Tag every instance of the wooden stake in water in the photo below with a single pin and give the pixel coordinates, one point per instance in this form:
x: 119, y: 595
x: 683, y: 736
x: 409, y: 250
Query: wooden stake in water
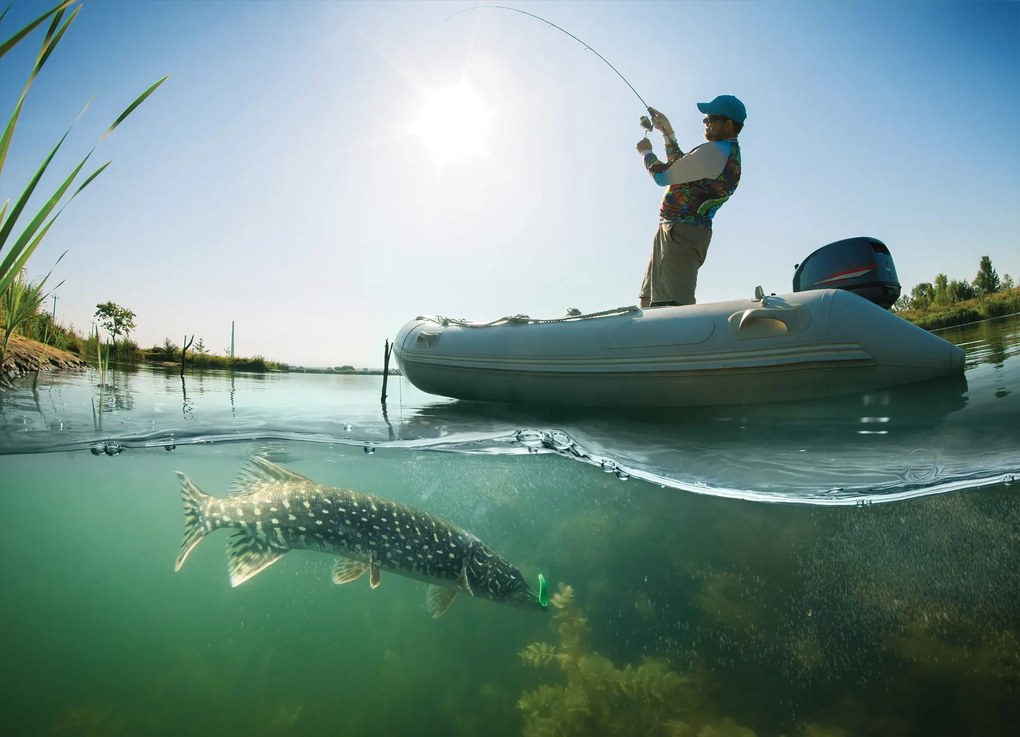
x: 386, y: 370
x: 184, y: 351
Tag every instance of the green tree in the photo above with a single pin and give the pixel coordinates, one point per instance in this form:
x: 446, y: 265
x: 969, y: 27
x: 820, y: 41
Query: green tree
x: 1007, y: 283
x: 116, y: 320
x: 987, y: 280
x: 169, y: 349
x: 922, y: 296
x: 960, y: 290
x: 941, y: 294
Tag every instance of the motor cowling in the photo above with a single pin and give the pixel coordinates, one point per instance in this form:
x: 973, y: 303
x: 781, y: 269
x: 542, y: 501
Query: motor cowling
x: 861, y: 265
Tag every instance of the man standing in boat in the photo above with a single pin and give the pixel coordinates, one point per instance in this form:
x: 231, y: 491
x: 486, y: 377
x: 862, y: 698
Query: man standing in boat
x: 697, y: 183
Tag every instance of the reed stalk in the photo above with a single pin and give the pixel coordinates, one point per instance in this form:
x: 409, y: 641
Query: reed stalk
x: 19, y: 248
x: 103, y: 366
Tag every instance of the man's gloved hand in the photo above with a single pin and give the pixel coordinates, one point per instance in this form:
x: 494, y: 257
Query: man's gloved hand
x: 644, y: 146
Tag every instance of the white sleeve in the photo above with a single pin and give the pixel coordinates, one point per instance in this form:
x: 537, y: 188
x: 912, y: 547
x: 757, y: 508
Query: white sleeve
x: 704, y: 162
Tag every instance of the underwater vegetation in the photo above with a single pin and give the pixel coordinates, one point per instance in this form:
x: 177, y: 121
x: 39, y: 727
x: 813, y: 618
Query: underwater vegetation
x: 595, y: 697
x: 89, y: 721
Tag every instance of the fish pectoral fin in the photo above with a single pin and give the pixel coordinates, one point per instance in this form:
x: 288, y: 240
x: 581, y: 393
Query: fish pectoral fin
x: 438, y: 599
x: 376, y: 575
x: 248, y: 555
x: 462, y: 581
x: 346, y: 570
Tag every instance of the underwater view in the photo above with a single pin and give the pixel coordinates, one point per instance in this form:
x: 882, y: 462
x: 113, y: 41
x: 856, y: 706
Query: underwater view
x: 842, y: 568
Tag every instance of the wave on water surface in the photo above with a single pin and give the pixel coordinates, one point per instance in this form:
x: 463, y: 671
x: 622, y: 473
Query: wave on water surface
x: 891, y: 445
x: 857, y: 480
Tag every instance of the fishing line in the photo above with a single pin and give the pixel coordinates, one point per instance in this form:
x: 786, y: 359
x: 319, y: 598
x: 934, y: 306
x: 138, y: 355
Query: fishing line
x: 563, y: 30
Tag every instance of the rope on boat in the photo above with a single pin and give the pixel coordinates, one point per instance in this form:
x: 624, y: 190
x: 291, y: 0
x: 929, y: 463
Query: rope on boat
x: 524, y: 319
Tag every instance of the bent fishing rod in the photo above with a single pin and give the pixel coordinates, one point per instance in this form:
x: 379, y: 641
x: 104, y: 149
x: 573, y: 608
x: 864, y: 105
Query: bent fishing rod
x: 646, y: 123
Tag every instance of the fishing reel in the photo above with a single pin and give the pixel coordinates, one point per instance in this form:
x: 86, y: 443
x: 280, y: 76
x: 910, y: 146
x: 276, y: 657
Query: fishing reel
x: 646, y: 123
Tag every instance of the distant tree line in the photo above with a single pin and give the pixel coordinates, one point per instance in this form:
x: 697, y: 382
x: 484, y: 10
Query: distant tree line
x: 119, y: 321
x: 943, y: 292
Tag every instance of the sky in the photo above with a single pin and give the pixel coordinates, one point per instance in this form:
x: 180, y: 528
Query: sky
x: 320, y: 173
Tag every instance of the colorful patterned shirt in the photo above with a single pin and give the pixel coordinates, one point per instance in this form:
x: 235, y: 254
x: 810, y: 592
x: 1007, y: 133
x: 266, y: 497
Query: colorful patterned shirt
x: 698, y: 182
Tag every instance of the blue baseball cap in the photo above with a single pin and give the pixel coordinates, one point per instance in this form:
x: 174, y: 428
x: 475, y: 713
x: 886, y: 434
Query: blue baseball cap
x: 726, y: 105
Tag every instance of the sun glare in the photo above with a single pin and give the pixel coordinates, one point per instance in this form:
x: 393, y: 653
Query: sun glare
x: 452, y: 124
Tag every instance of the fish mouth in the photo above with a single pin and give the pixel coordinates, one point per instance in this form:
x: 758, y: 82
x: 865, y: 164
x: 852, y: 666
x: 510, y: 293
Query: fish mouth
x: 533, y: 600
x: 526, y: 599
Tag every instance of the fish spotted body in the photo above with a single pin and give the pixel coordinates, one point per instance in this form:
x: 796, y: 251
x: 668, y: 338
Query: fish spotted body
x: 273, y: 510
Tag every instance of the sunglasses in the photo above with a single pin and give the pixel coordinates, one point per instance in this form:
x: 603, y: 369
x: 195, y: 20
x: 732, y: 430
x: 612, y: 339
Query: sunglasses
x: 708, y: 119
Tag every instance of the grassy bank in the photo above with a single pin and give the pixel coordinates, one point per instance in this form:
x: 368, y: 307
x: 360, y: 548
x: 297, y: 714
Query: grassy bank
x: 41, y: 329
x: 199, y: 360
x: 960, y: 313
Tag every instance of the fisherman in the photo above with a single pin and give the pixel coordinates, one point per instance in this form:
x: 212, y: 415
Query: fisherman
x: 697, y: 183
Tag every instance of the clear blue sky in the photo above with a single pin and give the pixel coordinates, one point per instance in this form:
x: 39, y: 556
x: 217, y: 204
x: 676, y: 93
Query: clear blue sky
x: 281, y: 178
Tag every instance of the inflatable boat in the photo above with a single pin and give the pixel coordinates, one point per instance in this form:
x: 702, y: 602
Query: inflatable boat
x: 831, y: 336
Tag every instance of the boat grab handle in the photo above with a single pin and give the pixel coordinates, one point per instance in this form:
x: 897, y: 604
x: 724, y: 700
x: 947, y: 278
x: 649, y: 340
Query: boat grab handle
x: 758, y: 316
x: 427, y: 339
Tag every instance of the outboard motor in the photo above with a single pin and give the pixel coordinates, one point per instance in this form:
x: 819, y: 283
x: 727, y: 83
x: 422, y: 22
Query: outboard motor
x: 860, y: 265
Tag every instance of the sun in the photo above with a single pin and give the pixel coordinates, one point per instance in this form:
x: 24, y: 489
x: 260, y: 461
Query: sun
x: 453, y: 123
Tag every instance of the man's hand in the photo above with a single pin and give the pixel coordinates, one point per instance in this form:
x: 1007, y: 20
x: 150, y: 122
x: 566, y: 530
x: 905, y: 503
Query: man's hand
x: 644, y: 146
x: 660, y: 122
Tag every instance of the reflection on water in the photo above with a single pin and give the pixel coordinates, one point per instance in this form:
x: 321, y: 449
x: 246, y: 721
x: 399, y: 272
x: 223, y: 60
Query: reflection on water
x: 936, y: 436
x: 933, y: 435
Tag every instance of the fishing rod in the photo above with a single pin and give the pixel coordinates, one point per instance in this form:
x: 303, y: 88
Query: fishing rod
x: 645, y: 122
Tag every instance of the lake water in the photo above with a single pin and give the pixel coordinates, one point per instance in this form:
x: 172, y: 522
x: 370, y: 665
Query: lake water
x: 827, y: 569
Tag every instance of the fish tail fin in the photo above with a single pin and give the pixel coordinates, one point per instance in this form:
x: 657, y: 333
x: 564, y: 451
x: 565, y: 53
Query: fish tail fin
x: 195, y: 526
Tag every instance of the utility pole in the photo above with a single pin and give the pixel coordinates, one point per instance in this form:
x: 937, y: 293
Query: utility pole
x: 53, y: 317
x: 231, y: 340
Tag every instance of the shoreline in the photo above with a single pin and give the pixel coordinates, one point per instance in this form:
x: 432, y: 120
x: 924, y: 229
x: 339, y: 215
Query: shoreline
x: 26, y: 357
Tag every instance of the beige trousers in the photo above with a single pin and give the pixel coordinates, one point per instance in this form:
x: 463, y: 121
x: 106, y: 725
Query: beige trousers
x: 678, y: 252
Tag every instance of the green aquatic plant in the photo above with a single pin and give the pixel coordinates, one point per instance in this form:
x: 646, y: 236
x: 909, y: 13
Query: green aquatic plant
x: 817, y: 730
x: 20, y: 304
x: 89, y: 720
x: 595, y: 697
x: 15, y: 250
x: 103, y: 366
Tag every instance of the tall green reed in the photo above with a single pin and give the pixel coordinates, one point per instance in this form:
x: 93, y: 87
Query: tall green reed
x: 21, y: 302
x: 21, y: 247
x: 103, y: 367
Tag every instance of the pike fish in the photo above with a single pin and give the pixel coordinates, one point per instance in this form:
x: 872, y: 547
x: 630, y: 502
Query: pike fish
x: 273, y: 510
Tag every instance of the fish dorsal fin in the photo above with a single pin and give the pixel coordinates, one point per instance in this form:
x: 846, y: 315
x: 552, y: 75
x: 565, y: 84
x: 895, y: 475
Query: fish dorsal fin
x: 258, y: 473
x: 248, y: 555
x: 438, y: 599
x: 346, y: 570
